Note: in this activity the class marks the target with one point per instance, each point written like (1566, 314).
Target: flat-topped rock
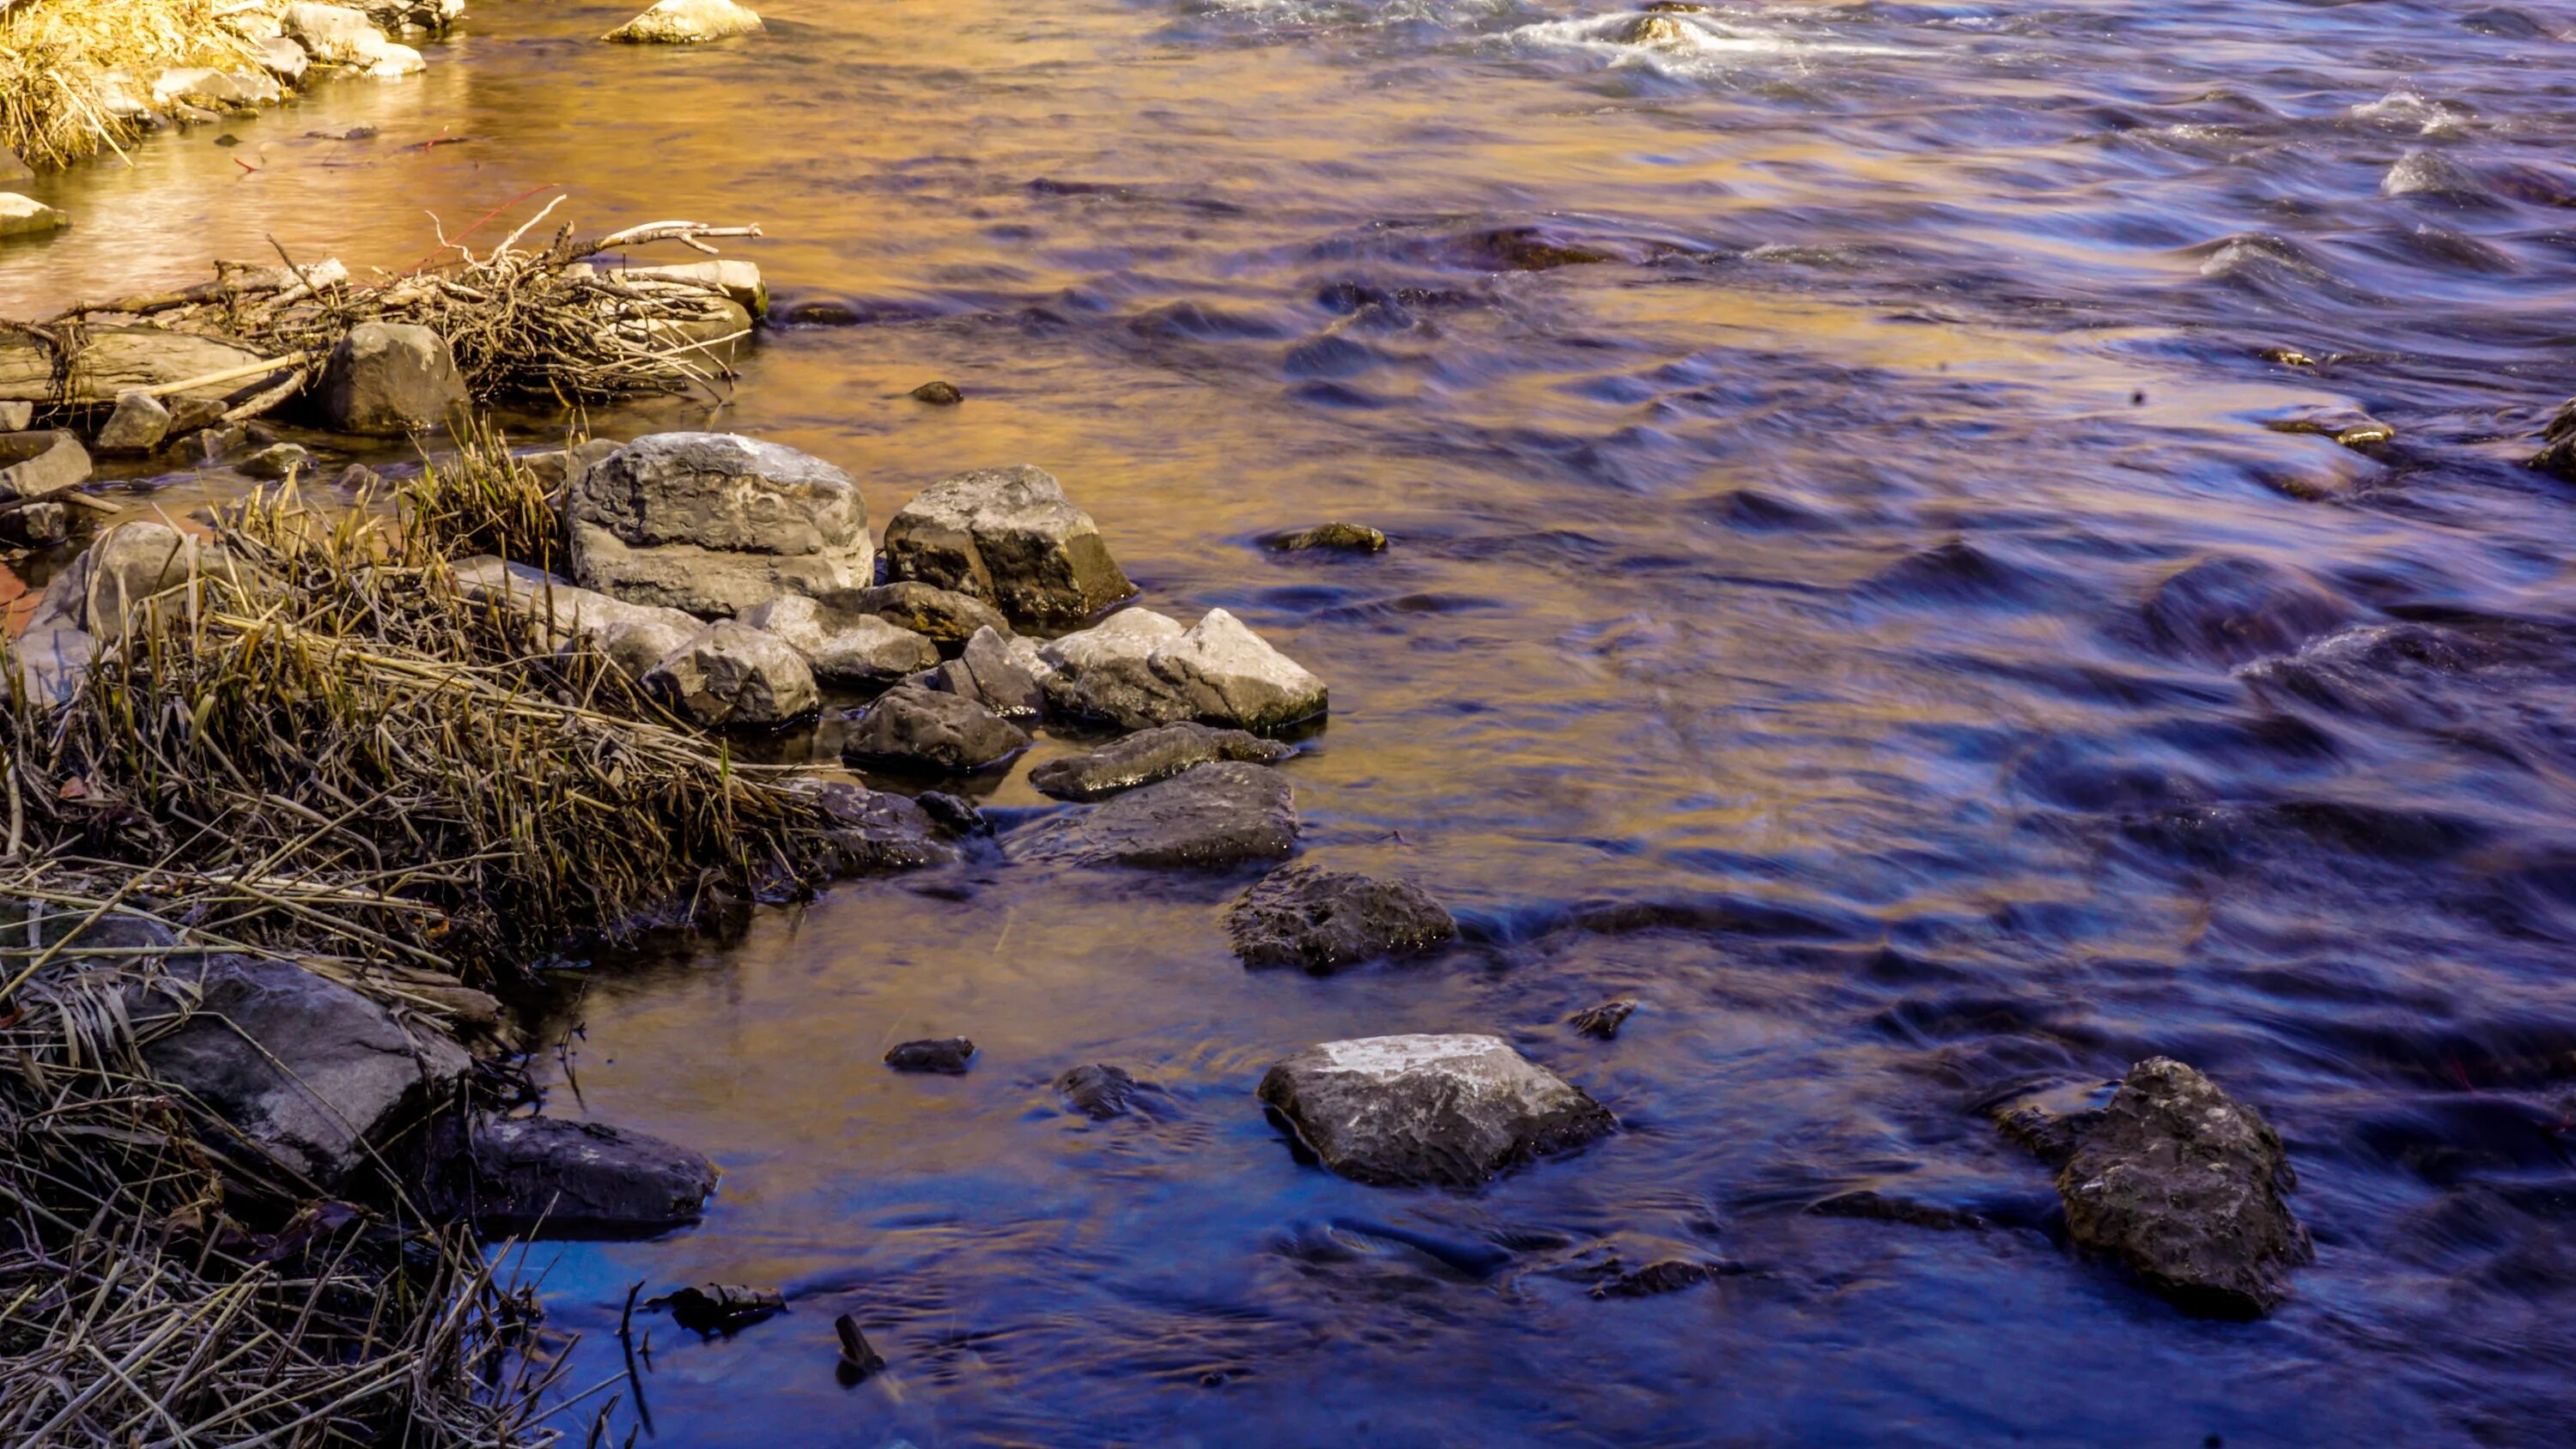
(943, 615)
(1138, 669)
(1008, 536)
(846, 647)
(911, 728)
(714, 523)
(1210, 817)
(1150, 755)
(1448, 1111)
(1324, 920)
(574, 1179)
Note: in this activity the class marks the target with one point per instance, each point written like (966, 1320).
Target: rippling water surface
(1848, 593)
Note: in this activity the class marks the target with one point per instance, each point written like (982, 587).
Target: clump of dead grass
(56, 55)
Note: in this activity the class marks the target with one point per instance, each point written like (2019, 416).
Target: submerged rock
(686, 22)
(583, 1179)
(939, 614)
(715, 524)
(1881, 1207)
(1138, 669)
(1441, 1110)
(735, 676)
(2227, 610)
(1667, 1275)
(1209, 817)
(2184, 1185)
(946, 1055)
(2050, 1122)
(1603, 1021)
(845, 646)
(874, 830)
(388, 379)
(912, 728)
(1099, 1091)
(1008, 536)
(1351, 537)
(308, 1071)
(1323, 920)
(938, 394)
(1150, 755)
(721, 1307)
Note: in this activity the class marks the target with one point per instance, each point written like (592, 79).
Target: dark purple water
(1783, 628)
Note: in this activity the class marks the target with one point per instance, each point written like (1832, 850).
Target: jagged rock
(1150, 755)
(998, 673)
(307, 1070)
(39, 464)
(1209, 817)
(1100, 1091)
(943, 615)
(36, 525)
(1603, 1021)
(138, 425)
(26, 216)
(2183, 1184)
(1352, 537)
(844, 646)
(1324, 920)
(911, 728)
(686, 22)
(635, 637)
(388, 379)
(574, 1179)
(1445, 1110)
(715, 524)
(734, 676)
(946, 1055)
(1138, 669)
(1008, 536)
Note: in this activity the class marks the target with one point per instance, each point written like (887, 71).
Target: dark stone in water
(1428, 1110)
(1671, 1275)
(953, 814)
(576, 1178)
(2184, 1185)
(875, 830)
(2557, 455)
(936, 613)
(36, 525)
(721, 1307)
(910, 728)
(1879, 1207)
(938, 394)
(823, 314)
(859, 1358)
(1604, 1020)
(2228, 610)
(1150, 755)
(277, 461)
(1324, 920)
(947, 1055)
(2050, 1123)
(1100, 1091)
(1526, 249)
(1209, 817)
(1350, 537)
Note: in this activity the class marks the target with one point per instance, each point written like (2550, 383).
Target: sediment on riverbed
(299, 773)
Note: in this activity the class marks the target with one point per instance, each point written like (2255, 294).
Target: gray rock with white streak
(1138, 669)
(716, 524)
(1449, 1111)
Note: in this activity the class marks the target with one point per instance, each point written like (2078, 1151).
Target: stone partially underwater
(1446, 1111)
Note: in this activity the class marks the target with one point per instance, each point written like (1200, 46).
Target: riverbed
(1789, 428)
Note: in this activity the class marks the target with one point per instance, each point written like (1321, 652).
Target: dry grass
(55, 53)
(484, 501)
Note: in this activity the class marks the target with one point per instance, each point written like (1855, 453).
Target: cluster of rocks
(294, 46)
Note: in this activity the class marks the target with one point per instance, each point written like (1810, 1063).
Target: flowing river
(1852, 592)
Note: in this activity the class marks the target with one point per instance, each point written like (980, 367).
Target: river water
(1782, 628)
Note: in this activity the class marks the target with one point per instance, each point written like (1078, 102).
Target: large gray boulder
(635, 637)
(1324, 920)
(1449, 1111)
(1139, 668)
(715, 524)
(846, 647)
(1211, 817)
(1150, 755)
(732, 676)
(2184, 1184)
(312, 1073)
(911, 728)
(943, 615)
(1008, 536)
(1000, 673)
(389, 379)
(574, 1179)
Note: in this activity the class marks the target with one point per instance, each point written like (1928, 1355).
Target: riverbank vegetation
(58, 93)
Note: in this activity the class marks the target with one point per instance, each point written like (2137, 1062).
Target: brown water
(1767, 635)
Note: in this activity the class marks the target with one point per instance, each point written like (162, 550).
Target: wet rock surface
(911, 728)
(878, 830)
(574, 1179)
(1653, 1280)
(942, 615)
(1150, 755)
(2184, 1185)
(2228, 610)
(715, 524)
(687, 22)
(1322, 920)
(1209, 817)
(946, 1056)
(1008, 536)
(732, 676)
(308, 1071)
(1339, 537)
(1876, 1206)
(1139, 669)
(1100, 1091)
(1448, 1111)
(1603, 1021)
(845, 647)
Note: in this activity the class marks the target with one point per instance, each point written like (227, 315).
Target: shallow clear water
(1770, 635)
